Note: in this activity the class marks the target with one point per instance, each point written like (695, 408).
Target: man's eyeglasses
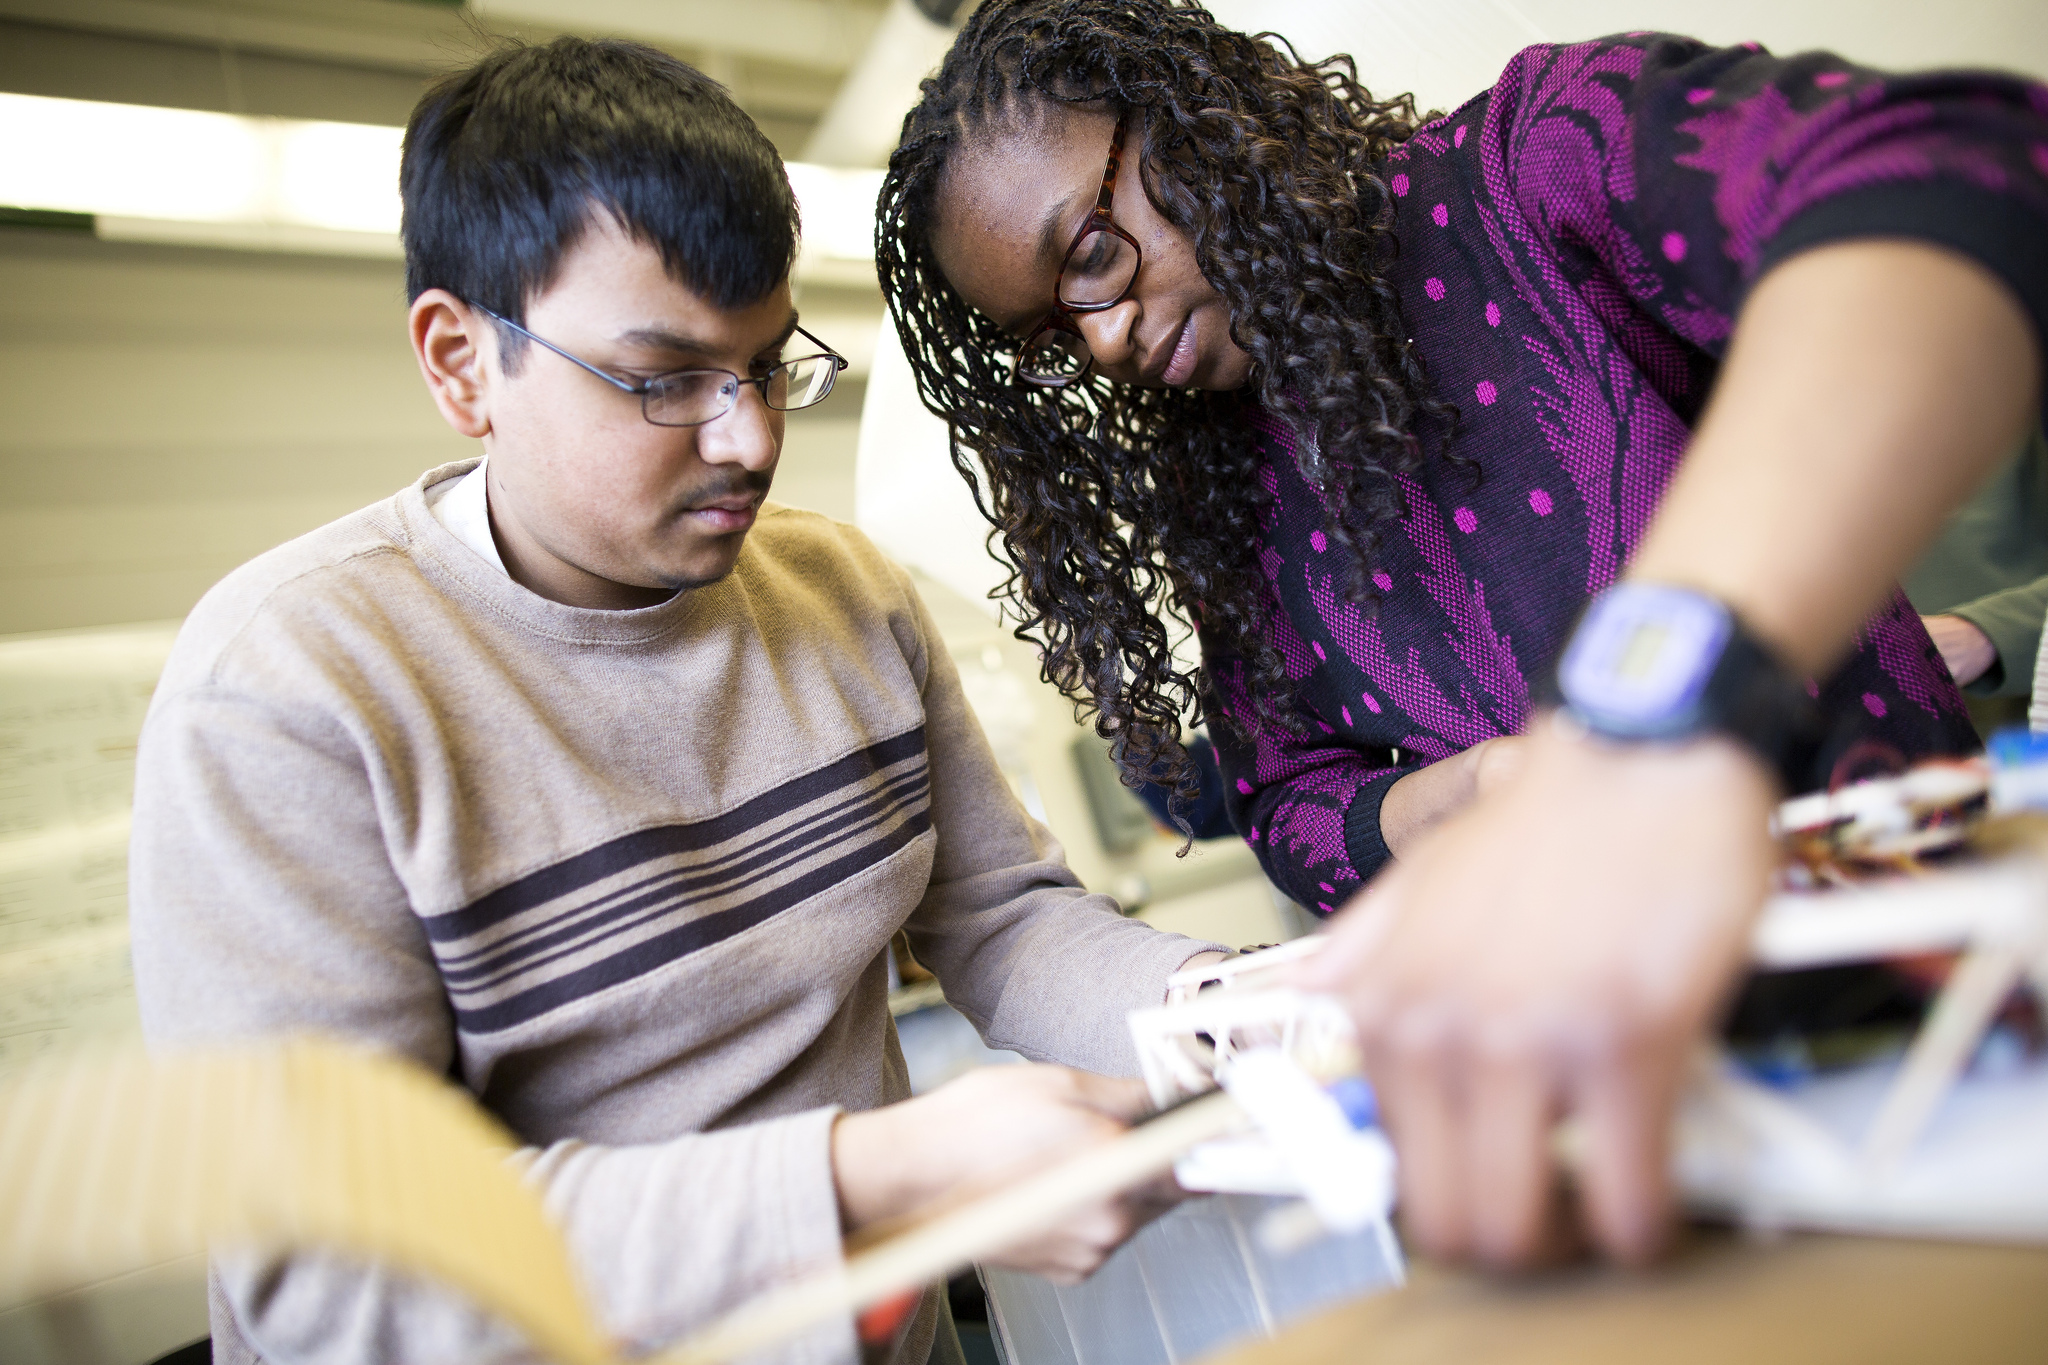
(690, 398)
(1096, 274)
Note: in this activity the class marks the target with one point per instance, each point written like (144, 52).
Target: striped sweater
(628, 876)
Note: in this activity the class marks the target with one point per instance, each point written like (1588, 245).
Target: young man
(585, 776)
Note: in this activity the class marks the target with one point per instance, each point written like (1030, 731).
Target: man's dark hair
(506, 162)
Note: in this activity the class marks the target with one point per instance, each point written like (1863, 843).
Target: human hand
(986, 1129)
(1422, 798)
(1553, 952)
(1966, 650)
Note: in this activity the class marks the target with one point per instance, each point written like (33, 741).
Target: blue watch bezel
(1604, 681)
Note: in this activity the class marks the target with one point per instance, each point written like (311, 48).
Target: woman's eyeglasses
(1096, 275)
(690, 398)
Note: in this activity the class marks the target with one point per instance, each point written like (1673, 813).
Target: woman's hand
(985, 1130)
(1557, 950)
(1416, 802)
(1552, 952)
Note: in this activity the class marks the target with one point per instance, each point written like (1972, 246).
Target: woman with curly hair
(1380, 402)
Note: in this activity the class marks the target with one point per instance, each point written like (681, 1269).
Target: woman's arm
(1558, 950)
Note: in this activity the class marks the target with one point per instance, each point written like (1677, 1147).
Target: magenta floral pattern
(1575, 243)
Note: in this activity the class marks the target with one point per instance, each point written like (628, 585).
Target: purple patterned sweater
(1574, 243)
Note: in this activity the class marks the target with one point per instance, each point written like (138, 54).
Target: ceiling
(366, 61)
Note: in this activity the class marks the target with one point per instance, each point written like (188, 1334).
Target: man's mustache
(750, 483)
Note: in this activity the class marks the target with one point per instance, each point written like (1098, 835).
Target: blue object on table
(1354, 1096)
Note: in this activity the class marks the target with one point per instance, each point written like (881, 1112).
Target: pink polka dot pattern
(1874, 704)
(1384, 584)
(1319, 540)
(1370, 704)
(1440, 215)
(1458, 138)
(1399, 184)
(1699, 96)
(1244, 788)
(1674, 246)
(1467, 520)
(1434, 287)
(1485, 392)
(1539, 502)
(1829, 80)
(1492, 313)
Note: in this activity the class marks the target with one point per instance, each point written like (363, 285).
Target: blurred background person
(1982, 588)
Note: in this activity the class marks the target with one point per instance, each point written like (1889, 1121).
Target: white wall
(1450, 50)
(171, 412)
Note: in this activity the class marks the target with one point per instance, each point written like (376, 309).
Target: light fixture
(186, 176)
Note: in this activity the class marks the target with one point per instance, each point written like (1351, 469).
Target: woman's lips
(1181, 365)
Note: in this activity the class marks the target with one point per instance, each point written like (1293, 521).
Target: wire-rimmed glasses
(1096, 274)
(690, 398)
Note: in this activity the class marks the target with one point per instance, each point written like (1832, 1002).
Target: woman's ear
(449, 342)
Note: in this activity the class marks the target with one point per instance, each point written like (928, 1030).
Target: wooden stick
(954, 1239)
(1961, 1014)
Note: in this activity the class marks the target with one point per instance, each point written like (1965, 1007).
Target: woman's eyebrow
(1052, 246)
(1052, 236)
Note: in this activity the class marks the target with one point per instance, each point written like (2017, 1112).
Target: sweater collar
(460, 570)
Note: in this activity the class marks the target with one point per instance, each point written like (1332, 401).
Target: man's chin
(697, 571)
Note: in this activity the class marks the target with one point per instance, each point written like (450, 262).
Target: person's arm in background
(1557, 951)
(1981, 588)
(1989, 644)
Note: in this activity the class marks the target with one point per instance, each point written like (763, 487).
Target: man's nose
(748, 434)
(1112, 335)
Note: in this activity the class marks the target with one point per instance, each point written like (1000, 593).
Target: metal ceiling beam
(821, 37)
(369, 32)
(814, 33)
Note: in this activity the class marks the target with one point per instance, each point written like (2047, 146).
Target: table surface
(1721, 1298)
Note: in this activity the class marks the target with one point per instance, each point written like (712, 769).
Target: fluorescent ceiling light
(137, 161)
(225, 180)
(838, 208)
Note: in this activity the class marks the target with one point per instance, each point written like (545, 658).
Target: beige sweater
(628, 876)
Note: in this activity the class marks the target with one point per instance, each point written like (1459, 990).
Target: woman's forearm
(1416, 802)
(1868, 387)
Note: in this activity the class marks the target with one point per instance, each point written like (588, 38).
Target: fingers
(1122, 1098)
(1511, 1192)
(1077, 1248)
(1624, 1109)
(1419, 1088)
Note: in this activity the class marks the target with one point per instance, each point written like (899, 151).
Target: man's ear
(450, 342)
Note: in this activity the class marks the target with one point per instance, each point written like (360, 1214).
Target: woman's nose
(1112, 335)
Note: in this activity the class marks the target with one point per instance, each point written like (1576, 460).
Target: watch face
(1642, 656)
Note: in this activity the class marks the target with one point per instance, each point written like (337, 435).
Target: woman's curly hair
(1113, 501)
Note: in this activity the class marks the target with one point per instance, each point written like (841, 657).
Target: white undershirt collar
(460, 504)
